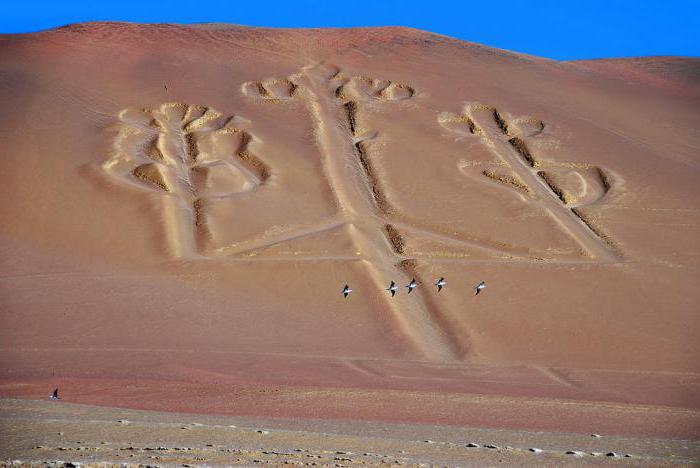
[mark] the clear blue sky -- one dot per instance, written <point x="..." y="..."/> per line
<point x="556" y="29"/>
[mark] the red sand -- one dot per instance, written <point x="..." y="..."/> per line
<point x="158" y="254"/>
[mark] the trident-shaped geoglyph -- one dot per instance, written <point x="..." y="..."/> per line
<point x="189" y="155"/>
<point x="563" y="190"/>
<point x="333" y="101"/>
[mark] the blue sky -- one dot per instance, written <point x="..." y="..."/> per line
<point x="554" y="29"/>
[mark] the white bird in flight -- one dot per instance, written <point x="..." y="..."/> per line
<point x="392" y="288"/>
<point x="440" y="283"/>
<point x="412" y="285"/>
<point x="479" y="287"/>
<point x="346" y="291"/>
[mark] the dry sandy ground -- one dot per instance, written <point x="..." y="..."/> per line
<point x="182" y="206"/>
<point x="43" y="431"/>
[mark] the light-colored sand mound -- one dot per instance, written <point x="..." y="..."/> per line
<point x="185" y="204"/>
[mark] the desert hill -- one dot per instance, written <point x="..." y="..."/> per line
<point x="184" y="204"/>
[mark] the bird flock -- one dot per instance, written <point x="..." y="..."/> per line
<point x="393" y="287"/>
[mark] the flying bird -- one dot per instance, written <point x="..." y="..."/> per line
<point x="440" y="283"/>
<point x="392" y="288"/>
<point x="412" y="285"/>
<point x="54" y="395"/>
<point x="479" y="287"/>
<point x="346" y="291"/>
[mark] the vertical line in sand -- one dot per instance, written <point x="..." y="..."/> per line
<point x="181" y="210"/>
<point x="179" y="230"/>
<point x="354" y="196"/>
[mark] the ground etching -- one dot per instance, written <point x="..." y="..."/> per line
<point x="334" y="101"/>
<point x="186" y="155"/>
<point x="563" y="190"/>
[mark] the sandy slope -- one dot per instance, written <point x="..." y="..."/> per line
<point x="183" y="205"/>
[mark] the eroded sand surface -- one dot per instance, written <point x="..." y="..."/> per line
<point x="183" y="205"/>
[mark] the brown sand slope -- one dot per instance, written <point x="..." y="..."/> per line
<point x="183" y="205"/>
